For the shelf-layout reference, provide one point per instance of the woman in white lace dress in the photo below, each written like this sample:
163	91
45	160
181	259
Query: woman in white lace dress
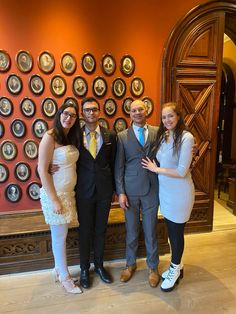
176	189
59	146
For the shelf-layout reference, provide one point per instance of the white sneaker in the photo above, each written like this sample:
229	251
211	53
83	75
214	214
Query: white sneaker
164	275
172	278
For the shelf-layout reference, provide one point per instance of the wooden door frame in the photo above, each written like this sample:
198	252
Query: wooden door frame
168	61
179	29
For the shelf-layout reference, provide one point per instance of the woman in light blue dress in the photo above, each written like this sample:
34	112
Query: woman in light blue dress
176	189
60	145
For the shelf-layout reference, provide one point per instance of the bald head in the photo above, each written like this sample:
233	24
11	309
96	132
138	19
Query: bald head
138	112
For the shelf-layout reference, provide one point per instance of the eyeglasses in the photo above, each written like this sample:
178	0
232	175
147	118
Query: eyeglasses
67	114
87	110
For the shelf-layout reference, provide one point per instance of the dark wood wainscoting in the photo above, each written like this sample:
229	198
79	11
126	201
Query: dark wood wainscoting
25	242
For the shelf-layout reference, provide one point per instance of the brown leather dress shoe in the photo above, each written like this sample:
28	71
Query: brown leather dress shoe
153	278
127	273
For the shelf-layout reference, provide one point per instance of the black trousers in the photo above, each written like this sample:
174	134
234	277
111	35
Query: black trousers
93	217
176	237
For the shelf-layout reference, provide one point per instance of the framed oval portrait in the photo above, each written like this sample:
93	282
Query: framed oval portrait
18	128
5	61
58	85
46	62
49	107
33	191
30	149
68	63
8	150
36	84
81	122
118	87
39	127
108	64
4	173
13	193
127	65
6	106
71	100
126	105
137	87
120	125
79	86
149	105
22	171
99	86
24	61
88	63
27	107
14	84
103	122
110	107
2	129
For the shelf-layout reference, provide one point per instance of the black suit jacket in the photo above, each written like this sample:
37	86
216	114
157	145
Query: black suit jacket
97	175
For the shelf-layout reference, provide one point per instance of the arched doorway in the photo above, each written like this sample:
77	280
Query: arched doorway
192	66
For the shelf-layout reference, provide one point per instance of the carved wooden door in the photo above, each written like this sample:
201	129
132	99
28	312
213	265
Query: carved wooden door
192	74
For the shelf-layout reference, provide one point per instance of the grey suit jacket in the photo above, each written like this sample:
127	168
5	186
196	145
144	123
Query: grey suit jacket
130	178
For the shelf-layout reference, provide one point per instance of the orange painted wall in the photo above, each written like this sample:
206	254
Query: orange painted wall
139	28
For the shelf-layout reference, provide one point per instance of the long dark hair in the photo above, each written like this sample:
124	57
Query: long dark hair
73	136
177	134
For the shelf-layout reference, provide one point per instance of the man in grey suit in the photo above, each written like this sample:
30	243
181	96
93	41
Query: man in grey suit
138	190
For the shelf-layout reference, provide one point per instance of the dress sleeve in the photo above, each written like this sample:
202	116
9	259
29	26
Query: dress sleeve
185	154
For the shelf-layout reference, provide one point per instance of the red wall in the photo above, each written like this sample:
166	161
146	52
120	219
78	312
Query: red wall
138	28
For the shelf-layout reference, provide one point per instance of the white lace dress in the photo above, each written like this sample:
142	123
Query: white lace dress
64	181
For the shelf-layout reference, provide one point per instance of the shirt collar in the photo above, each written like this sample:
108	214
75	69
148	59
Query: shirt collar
135	127
97	130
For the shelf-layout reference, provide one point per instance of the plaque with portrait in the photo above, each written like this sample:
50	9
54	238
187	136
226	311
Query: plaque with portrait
24	61
8	150
6	106
18	128
127	65
58	85
118	87
30	149
79	86
71	100
88	63
46	62
14	84
108	64
110	107
5	61
99	86
49	107
126	105
120	125
4	173
13	193
149	105
103	122
68	63
2	129
27	107
22	171
33	191
39	127
81	122
137	87
36	84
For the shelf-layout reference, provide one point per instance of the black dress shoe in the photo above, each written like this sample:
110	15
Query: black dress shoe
84	278
105	277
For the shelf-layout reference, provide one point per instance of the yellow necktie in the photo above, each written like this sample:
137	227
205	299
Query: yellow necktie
93	144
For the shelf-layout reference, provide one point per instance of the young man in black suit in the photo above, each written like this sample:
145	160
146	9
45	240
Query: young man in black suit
94	190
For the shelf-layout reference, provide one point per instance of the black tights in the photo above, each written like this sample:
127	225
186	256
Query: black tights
176	237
